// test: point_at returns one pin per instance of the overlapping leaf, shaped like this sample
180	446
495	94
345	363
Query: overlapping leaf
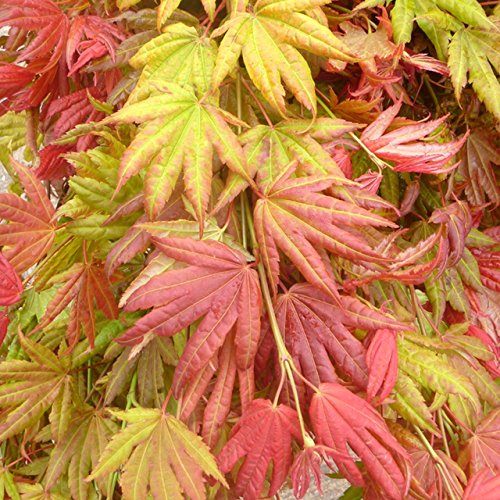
263	436
315	333
405	145
83	285
342	420
78	452
43	30
30	388
219	285
178	55
268	39
297	218
30	231
10	283
159	455
181	132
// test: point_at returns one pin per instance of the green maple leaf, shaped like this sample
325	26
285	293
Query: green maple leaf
474	55
268	39
78	451
178	55
30	388
180	132
159	453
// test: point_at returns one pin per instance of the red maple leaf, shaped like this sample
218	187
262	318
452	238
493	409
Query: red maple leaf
43	30
484	485
297	218
482	449
91	37
4	324
219	285
263	435
30	231
83	284
382	361
342	421
10	283
316	333
53	165
405	145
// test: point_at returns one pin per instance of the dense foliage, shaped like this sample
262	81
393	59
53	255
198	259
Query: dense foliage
246	241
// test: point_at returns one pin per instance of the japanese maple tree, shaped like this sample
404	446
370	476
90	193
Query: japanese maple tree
248	244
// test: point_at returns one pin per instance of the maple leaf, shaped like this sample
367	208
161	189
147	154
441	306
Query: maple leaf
89	38
382	362
84	284
403	147
53	165
315	333
79	450
30	231
484	484
482	449
457	220
411	405
275	147
4	325
30	388
477	168
433	371
218	285
471	51
294	216
178	55
435	475
268	39
158	454
43	28
342	421
10	283
263	435
65	113
181	132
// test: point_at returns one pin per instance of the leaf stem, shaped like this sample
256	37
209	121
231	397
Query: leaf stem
380	164
259	104
284	356
130	400
443	471
239	113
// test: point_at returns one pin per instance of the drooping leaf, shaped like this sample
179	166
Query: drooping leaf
405	146
218	285
382	362
262	436
477	168
30	231
176	458
10	283
297	218
342	420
